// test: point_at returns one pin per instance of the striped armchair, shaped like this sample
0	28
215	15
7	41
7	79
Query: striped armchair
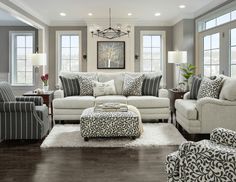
21	117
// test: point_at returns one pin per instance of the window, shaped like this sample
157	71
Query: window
68	51
211	56
233	53
22	46
151	52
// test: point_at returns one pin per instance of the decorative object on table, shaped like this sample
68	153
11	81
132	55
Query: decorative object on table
38	91
111	107
178	58
111	55
206	160
110	32
188	71
44	78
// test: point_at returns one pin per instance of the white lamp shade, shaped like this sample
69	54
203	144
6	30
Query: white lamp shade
38	59
177	57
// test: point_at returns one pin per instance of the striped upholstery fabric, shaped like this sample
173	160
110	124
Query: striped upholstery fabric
196	82
6	94
37	100
70	86
151	85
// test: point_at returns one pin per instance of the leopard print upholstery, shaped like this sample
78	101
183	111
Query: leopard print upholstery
110	124
202	161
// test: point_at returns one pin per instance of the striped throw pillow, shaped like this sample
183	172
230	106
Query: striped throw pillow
196	82
6	94
151	85
70	86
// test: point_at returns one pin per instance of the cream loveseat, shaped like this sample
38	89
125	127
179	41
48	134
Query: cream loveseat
71	108
203	115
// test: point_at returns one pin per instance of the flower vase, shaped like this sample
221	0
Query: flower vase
45	88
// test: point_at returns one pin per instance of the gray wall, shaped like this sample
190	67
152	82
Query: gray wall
52	50
169	47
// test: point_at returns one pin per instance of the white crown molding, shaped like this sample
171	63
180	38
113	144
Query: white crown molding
26	8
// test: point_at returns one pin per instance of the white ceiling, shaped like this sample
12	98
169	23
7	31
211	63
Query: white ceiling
143	10
8	20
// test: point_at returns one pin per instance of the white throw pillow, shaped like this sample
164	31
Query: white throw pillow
228	91
105	88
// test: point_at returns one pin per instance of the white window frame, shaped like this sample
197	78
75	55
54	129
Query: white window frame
163	51
58	49
13	59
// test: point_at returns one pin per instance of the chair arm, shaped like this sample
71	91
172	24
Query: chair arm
224	137
208	100
58	94
17	106
163	93
38	100
187	96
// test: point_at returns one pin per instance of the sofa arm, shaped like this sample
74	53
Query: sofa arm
17	106
58	94
38	101
187	96
172	166
163	93
224	137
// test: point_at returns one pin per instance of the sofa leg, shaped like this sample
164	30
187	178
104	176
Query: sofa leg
133	137
86	139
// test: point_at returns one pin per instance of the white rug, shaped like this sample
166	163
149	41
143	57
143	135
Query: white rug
155	134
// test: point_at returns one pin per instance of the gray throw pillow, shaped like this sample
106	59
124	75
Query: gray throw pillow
70	86
210	88
151	85
86	84
133	85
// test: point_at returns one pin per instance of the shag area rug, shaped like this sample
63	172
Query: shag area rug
154	135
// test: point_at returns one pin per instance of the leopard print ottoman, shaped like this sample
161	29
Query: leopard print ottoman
111	124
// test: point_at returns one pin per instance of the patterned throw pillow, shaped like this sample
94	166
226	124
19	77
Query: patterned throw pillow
151	85
210	88
104	88
196	82
70	86
133	85
86	84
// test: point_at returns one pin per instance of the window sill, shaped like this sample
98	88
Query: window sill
17	85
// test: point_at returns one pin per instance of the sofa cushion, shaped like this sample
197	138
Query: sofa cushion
187	108
148	102
70	86
74	102
228	91
117	77
151	85
111	98
104	88
133	85
86	84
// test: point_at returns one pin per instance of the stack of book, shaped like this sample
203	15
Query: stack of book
111	107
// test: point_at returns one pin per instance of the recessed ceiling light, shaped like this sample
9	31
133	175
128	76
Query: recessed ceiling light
182	6
130	14
63	14
157	14
90	14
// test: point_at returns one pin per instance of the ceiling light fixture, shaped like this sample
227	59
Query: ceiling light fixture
90	14
157	14
130	14
182	6
110	32
63	14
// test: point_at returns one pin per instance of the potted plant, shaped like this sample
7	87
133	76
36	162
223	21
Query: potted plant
44	78
188	71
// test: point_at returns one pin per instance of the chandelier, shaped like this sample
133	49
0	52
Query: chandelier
110	32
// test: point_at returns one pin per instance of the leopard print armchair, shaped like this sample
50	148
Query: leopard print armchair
207	160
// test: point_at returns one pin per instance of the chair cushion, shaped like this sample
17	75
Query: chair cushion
6	94
111	98
148	102
117	77
74	102
70	86
187	108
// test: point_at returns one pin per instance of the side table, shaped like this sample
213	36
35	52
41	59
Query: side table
47	98
173	95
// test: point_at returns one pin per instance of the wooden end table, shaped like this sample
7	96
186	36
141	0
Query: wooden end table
47	98
173	95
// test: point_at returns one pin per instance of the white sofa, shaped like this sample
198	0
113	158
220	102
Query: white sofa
71	108
203	115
